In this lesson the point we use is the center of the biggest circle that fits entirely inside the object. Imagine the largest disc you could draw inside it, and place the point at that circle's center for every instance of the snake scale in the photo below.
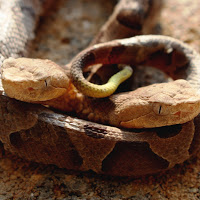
(78, 144)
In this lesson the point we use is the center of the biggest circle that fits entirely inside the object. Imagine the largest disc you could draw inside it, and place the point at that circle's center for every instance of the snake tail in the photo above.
(105, 90)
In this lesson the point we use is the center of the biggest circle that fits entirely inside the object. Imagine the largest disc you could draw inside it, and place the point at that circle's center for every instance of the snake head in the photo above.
(156, 105)
(33, 79)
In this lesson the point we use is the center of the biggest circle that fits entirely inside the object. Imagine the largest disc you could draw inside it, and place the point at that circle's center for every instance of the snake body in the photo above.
(137, 50)
(18, 21)
(153, 106)
(104, 149)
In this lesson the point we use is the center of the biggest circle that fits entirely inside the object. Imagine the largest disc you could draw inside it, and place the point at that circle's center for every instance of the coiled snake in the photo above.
(177, 103)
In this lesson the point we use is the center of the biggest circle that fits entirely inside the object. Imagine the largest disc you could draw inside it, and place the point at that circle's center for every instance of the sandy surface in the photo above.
(68, 31)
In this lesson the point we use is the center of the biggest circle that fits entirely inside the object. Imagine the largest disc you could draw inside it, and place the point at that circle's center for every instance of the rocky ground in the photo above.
(61, 35)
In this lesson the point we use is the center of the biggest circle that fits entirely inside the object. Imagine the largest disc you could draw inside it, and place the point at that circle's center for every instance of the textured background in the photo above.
(61, 35)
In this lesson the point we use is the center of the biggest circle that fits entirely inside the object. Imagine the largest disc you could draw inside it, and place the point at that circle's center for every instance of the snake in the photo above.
(147, 107)
(105, 145)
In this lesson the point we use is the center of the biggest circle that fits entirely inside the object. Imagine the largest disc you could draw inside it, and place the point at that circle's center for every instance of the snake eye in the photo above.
(160, 109)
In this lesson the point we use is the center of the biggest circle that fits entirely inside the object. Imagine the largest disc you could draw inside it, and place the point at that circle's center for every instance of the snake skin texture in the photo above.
(143, 47)
(78, 144)
(18, 21)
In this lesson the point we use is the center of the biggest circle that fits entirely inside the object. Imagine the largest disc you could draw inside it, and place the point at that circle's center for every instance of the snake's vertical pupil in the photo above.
(159, 109)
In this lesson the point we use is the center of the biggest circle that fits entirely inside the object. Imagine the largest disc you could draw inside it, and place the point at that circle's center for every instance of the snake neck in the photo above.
(96, 110)
(70, 101)
(84, 107)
